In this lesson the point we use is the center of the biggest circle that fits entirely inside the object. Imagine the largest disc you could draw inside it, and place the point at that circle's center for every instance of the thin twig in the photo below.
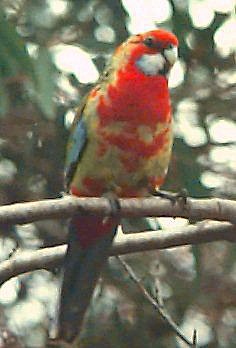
(48, 258)
(194, 209)
(194, 338)
(161, 310)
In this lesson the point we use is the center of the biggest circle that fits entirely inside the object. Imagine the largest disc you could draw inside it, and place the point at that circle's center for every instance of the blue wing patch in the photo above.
(77, 143)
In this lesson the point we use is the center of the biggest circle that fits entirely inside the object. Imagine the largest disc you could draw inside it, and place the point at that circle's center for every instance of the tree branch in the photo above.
(47, 258)
(194, 209)
(159, 307)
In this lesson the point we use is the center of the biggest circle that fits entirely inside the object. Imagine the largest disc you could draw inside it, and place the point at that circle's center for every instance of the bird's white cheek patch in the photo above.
(151, 64)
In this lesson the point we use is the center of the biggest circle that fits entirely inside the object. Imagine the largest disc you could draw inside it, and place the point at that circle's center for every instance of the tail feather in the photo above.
(82, 269)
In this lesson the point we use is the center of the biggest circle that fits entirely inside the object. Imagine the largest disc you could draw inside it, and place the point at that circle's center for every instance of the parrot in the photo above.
(120, 146)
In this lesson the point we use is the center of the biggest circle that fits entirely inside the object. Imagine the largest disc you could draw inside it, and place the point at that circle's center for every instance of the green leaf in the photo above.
(139, 225)
(3, 99)
(44, 72)
(189, 170)
(8, 65)
(12, 46)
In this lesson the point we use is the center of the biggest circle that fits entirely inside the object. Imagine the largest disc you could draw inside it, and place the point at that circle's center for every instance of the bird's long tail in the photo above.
(90, 239)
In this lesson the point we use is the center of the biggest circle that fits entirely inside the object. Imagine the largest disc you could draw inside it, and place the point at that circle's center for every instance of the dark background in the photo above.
(37, 96)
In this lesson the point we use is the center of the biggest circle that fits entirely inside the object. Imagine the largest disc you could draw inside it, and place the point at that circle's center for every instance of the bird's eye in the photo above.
(149, 42)
(169, 46)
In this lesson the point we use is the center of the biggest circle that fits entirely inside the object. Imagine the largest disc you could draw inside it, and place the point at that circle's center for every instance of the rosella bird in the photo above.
(120, 144)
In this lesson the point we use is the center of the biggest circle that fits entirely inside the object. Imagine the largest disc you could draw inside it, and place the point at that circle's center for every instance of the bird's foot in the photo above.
(182, 195)
(114, 208)
(114, 204)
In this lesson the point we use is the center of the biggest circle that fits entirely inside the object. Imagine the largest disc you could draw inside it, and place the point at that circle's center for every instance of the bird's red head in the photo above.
(152, 53)
(157, 40)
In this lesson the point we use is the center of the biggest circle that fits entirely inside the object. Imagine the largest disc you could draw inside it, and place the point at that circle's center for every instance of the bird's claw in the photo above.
(114, 207)
(173, 197)
(114, 204)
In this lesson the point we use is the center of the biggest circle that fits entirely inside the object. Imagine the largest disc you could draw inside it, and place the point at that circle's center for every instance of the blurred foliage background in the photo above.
(51, 52)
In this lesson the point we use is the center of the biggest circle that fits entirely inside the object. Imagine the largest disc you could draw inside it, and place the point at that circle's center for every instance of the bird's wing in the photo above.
(78, 137)
(76, 143)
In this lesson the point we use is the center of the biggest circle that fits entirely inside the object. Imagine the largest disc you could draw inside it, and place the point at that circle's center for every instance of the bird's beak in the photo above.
(171, 55)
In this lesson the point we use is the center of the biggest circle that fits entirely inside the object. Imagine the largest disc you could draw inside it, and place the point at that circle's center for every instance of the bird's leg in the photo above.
(114, 206)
